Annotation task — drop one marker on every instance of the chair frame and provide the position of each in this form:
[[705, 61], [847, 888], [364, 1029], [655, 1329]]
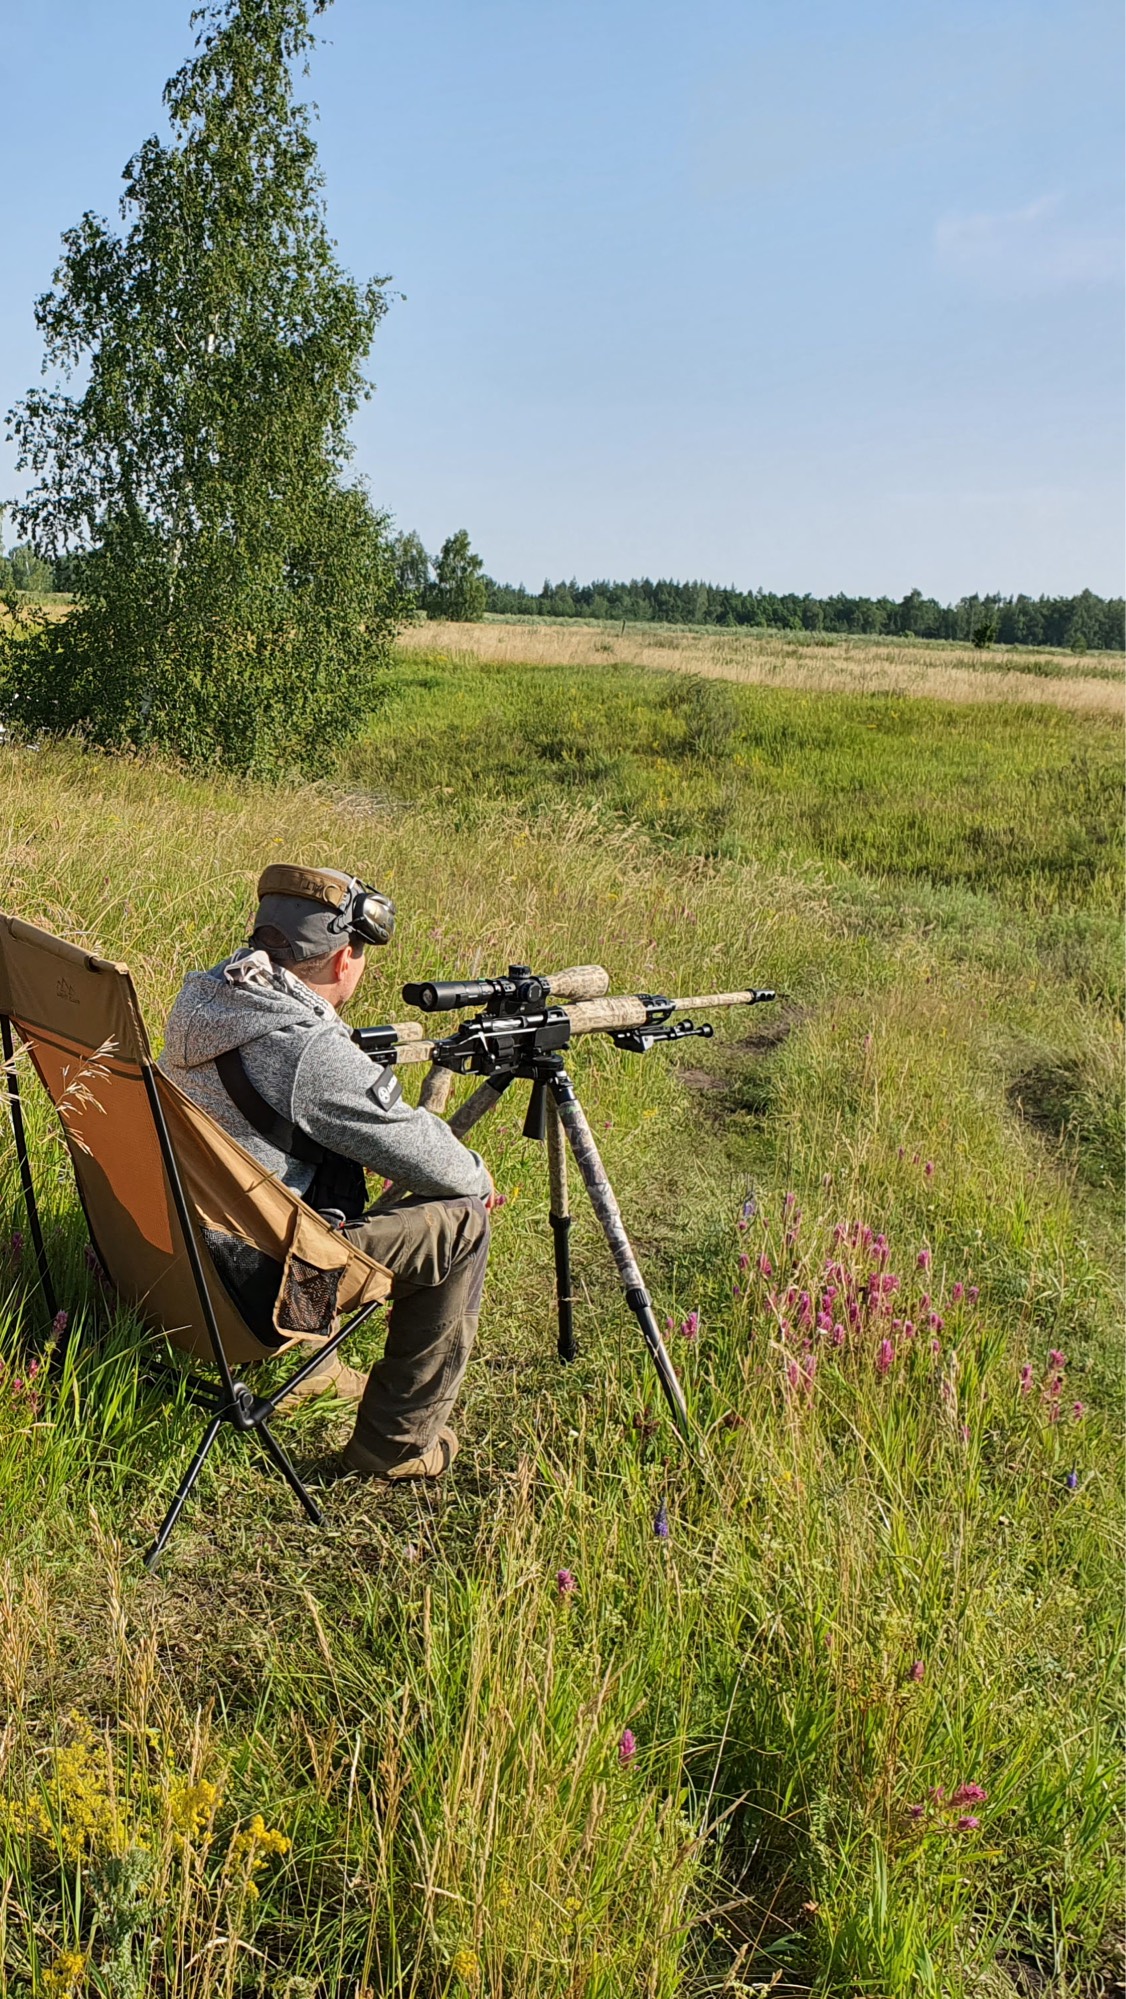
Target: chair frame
[[234, 1403]]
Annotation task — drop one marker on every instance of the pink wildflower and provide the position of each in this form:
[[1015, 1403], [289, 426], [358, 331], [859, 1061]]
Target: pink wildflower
[[973, 1294], [1078, 1410], [968, 1823], [957, 1291], [923, 1260], [918, 1670], [885, 1356], [766, 1268], [59, 1322], [565, 1582], [916, 1811], [691, 1325], [929, 1169], [969, 1794], [1026, 1379], [627, 1747], [744, 1262], [1056, 1358], [838, 1336]]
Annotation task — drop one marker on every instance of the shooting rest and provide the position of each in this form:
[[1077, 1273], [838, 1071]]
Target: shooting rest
[[211, 1251]]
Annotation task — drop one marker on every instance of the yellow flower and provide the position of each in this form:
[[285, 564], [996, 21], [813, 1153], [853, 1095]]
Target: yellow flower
[[62, 1979], [465, 1964], [251, 1846], [192, 1806]]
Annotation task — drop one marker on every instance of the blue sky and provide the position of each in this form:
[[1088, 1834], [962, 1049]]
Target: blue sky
[[771, 292]]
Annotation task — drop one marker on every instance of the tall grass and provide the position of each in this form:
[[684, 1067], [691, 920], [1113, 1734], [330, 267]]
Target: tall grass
[[820, 662], [511, 1737]]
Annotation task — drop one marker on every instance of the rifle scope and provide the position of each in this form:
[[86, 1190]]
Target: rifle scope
[[521, 989]]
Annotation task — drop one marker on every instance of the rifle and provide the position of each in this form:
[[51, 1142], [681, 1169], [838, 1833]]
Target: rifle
[[521, 1033]]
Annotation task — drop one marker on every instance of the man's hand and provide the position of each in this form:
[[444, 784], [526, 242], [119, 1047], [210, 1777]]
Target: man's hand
[[492, 1198]]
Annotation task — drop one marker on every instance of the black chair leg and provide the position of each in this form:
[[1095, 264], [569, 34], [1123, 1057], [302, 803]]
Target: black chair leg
[[283, 1464], [177, 1506]]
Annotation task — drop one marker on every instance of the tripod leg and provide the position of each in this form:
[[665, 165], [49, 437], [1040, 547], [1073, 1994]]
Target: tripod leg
[[435, 1093], [605, 1206], [560, 1218]]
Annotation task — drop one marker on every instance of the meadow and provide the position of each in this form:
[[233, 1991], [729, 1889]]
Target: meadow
[[819, 662], [829, 1705]]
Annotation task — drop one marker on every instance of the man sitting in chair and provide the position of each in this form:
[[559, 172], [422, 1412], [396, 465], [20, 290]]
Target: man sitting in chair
[[259, 1044]]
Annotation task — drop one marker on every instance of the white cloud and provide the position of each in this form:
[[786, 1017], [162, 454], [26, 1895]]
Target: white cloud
[[1035, 248]]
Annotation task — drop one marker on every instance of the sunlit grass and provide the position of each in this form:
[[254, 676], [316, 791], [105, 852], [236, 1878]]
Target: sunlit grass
[[819, 662], [891, 1568]]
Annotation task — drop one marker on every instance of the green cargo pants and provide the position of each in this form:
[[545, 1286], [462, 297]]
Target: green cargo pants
[[437, 1251]]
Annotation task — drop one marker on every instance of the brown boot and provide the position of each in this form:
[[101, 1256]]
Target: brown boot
[[425, 1464], [333, 1377]]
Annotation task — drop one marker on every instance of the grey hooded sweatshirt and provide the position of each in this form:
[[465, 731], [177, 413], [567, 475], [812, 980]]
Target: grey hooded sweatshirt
[[301, 1058]]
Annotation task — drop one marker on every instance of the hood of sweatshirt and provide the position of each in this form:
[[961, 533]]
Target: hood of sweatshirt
[[238, 1002]]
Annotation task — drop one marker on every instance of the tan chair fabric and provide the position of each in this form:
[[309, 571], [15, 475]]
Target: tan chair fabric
[[78, 1017]]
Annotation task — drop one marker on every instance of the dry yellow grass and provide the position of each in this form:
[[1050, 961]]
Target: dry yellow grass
[[1090, 683]]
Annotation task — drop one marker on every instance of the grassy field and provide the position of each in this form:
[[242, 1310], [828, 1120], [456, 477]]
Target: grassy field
[[852, 1727], [819, 662]]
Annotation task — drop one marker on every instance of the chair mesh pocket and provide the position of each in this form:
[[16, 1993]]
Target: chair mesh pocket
[[307, 1300]]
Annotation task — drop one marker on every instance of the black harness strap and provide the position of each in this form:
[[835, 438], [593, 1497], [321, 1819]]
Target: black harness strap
[[277, 1130]]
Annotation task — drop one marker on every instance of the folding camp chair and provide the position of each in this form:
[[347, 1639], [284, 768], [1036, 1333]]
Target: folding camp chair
[[211, 1251]]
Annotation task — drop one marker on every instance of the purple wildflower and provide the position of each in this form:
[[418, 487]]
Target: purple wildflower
[[744, 1261], [969, 1794], [59, 1323], [838, 1336], [690, 1326], [923, 1260], [766, 1268], [885, 1356], [915, 1811], [564, 1582], [1072, 1480], [1056, 1358], [1026, 1379], [968, 1823], [16, 1244], [661, 1522], [627, 1747], [957, 1292], [929, 1169]]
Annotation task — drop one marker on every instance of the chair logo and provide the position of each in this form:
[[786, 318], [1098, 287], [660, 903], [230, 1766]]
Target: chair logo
[[64, 990]]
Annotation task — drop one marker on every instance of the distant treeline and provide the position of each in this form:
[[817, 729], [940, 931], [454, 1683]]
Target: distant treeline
[[1085, 621]]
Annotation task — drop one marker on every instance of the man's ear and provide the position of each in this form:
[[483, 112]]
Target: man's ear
[[341, 963]]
